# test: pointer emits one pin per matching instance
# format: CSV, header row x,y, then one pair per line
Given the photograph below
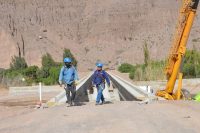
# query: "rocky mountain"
x,y
113,31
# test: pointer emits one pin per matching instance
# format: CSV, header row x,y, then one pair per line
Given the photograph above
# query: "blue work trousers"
x,y
100,96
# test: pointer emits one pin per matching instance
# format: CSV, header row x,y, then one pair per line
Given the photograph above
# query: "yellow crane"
x,y
177,52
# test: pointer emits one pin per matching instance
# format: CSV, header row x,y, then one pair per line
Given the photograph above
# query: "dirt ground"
x,y
118,117
18,115
12,105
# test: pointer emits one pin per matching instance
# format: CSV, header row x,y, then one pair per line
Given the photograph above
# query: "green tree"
x,y
31,72
18,63
54,73
47,61
189,70
146,54
67,53
191,64
132,75
51,79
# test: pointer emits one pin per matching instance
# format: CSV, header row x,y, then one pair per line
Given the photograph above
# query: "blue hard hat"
x,y
99,65
67,60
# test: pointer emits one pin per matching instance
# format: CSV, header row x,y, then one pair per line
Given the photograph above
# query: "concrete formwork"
x,y
120,90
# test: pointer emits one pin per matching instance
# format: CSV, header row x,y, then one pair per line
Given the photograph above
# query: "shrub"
x,y
18,63
191,64
197,70
139,74
153,70
132,75
48,81
1,74
126,68
12,73
31,72
188,70
54,74
146,54
48,73
47,61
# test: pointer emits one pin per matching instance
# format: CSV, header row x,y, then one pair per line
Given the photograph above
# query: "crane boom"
x,y
177,52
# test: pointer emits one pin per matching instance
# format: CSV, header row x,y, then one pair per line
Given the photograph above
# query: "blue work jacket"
x,y
68,75
99,77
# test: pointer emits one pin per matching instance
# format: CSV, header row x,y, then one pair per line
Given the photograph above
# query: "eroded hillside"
x,y
109,30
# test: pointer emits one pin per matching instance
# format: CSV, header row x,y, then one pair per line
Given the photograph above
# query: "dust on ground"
x,y
118,117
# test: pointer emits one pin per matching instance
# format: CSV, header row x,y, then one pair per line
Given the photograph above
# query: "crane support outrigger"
x,y
177,52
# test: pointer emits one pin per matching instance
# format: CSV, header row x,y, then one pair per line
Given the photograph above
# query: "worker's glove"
x,y
76,82
60,83
108,85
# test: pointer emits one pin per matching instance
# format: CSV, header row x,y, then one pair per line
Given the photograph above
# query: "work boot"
x,y
68,105
98,104
73,104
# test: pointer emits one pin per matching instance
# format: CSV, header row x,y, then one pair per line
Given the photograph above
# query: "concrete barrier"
x,y
33,89
123,90
128,91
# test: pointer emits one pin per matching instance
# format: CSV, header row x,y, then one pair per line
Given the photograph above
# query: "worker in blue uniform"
x,y
99,78
68,76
